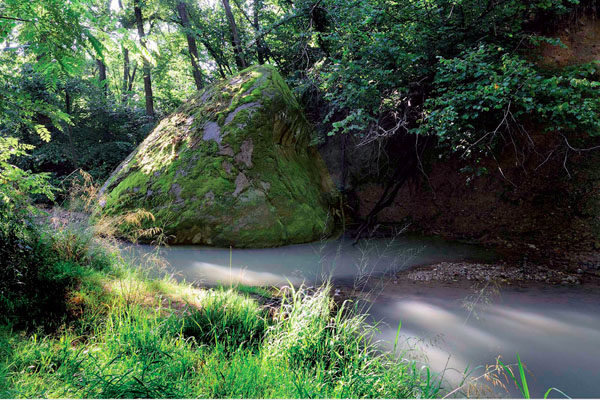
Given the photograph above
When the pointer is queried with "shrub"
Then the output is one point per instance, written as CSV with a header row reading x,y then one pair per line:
x,y
39,269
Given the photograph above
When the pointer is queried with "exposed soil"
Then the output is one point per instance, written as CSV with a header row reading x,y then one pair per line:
x,y
549,214
580,44
539,201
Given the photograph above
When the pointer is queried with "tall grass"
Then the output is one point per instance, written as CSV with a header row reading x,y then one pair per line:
x,y
336,345
219,344
225,319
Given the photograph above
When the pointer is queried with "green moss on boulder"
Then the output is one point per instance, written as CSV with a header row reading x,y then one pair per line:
x,y
232,166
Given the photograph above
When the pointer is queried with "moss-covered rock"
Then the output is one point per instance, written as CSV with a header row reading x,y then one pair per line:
x,y
232,166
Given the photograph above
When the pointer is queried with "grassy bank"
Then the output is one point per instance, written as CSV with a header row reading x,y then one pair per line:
x,y
79,321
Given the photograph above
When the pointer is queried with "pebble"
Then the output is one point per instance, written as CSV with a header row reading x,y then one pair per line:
x,y
448,272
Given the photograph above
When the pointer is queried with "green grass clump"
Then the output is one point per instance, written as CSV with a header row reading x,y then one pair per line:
x,y
254,290
332,352
226,318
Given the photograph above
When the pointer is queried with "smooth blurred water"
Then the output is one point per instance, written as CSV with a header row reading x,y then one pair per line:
x,y
556,330
311,263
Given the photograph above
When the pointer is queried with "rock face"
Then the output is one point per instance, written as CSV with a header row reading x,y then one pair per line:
x,y
232,166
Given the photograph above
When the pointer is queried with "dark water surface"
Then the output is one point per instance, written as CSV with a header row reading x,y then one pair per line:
x,y
556,330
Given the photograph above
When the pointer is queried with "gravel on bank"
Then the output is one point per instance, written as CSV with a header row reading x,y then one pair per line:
x,y
502,273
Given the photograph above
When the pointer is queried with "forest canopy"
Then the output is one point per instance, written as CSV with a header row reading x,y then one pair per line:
x,y
83,81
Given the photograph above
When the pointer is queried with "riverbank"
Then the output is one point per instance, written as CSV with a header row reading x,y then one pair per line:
x,y
144,303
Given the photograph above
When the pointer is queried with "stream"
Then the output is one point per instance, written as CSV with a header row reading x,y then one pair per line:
x,y
555,329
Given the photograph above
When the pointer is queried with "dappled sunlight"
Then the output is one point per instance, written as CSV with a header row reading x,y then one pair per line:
x,y
427,317
213,273
531,321
299,199
437,315
312,262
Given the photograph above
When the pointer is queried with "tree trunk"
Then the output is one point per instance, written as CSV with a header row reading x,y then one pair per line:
x,y
132,78
343,168
125,86
68,110
146,66
221,62
261,53
235,39
102,76
193,49
406,154
403,172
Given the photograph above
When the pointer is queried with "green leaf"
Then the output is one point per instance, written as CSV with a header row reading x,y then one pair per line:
x,y
96,44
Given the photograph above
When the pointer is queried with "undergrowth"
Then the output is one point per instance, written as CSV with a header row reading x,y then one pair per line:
x,y
87,324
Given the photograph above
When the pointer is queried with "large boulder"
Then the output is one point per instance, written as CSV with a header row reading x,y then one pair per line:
x,y
232,166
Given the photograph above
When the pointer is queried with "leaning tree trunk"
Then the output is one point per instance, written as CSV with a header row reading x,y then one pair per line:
x,y
192,47
406,155
146,66
235,39
390,191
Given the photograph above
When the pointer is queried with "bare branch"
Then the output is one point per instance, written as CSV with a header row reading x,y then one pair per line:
x,y
576,149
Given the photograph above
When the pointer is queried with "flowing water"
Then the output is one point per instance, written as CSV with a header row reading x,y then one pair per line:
x,y
311,263
556,330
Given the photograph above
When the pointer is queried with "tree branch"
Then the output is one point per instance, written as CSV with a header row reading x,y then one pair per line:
x,y
15,19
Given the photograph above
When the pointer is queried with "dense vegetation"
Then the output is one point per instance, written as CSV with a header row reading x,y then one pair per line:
x,y
84,81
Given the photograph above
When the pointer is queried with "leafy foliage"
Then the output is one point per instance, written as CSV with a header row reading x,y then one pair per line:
x,y
487,94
